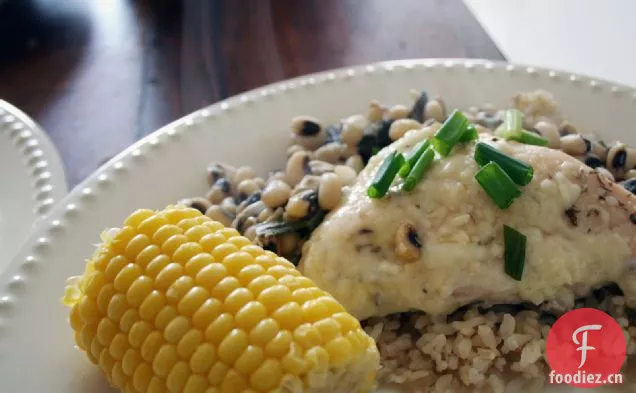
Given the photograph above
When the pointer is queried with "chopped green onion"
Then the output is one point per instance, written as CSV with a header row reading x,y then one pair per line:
x,y
470,134
450,133
385,175
497,184
512,123
520,172
416,174
412,157
514,252
512,129
530,138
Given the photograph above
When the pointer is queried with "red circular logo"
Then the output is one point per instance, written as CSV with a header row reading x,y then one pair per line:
x,y
585,348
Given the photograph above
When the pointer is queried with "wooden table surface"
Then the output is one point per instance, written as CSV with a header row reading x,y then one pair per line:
x,y
99,74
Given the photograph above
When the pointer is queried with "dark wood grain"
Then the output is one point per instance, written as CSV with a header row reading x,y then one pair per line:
x,y
97,75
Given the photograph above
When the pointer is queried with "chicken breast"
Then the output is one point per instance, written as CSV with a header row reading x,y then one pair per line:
x,y
441,245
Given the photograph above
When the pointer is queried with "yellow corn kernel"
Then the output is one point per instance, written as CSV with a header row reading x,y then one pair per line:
x,y
236,261
237,299
197,232
147,255
211,275
189,343
114,267
126,276
137,217
139,290
174,302
178,377
211,240
151,224
138,333
141,377
233,344
192,300
250,359
186,251
130,361
249,315
207,313
217,373
118,346
264,331
223,250
203,358
218,329
250,272
275,296
288,315
279,345
267,376
195,384
197,263
156,265
339,350
179,326
136,245
152,305
179,288
233,382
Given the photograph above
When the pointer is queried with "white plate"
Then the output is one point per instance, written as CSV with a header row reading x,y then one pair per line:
x,y
36,344
31,178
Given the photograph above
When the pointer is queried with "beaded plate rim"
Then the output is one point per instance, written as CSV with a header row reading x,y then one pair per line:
x,y
13,279
41,161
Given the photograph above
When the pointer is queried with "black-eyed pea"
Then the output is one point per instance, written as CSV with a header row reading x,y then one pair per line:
x,y
229,205
216,213
276,193
329,191
435,110
375,112
306,126
279,175
398,112
217,171
346,174
353,130
199,203
575,144
550,132
318,167
250,232
309,182
310,142
617,158
247,187
243,173
288,242
265,214
567,128
331,152
599,149
630,160
301,204
221,189
489,108
408,246
293,149
297,167
355,162
631,174
401,126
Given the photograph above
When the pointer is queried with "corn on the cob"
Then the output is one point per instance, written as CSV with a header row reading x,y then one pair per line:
x,y
175,302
